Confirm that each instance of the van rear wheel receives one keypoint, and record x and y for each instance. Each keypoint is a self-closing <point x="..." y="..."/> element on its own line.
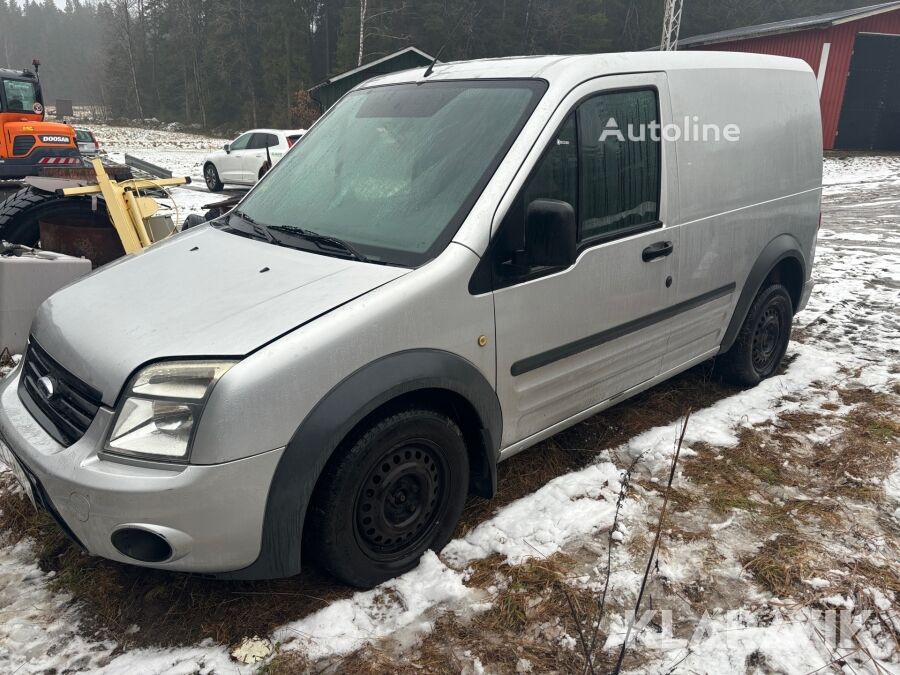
<point x="396" y="492"/>
<point x="763" y="339"/>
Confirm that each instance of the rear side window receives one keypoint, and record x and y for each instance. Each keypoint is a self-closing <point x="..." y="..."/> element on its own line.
<point x="619" y="160"/>
<point x="260" y="141"/>
<point x="83" y="136"/>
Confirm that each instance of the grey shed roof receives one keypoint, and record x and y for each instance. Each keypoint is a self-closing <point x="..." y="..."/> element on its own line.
<point x="370" y="64"/>
<point x="790" y="25"/>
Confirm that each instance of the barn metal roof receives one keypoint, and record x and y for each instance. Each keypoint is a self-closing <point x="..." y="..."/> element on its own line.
<point x="790" y="25"/>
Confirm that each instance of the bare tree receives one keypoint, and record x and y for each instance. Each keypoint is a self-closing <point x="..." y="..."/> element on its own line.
<point x="363" y="4"/>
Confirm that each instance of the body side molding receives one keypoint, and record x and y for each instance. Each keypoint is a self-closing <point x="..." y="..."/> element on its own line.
<point x="530" y="363"/>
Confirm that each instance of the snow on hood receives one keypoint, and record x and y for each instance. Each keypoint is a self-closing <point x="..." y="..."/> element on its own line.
<point x="205" y="293"/>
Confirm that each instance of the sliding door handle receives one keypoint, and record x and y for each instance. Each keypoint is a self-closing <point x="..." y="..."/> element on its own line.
<point x="658" y="250"/>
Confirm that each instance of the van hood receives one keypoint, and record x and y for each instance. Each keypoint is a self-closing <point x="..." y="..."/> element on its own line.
<point x="205" y="293"/>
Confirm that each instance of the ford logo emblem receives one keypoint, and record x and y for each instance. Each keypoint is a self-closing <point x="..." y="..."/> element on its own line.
<point x="47" y="386"/>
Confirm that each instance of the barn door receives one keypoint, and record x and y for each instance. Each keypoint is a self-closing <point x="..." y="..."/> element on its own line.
<point x="870" y="117"/>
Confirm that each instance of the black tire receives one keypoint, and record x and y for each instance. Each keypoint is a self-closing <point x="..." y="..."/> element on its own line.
<point x="763" y="339"/>
<point x="21" y="213"/>
<point x="370" y="519"/>
<point x="211" y="176"/>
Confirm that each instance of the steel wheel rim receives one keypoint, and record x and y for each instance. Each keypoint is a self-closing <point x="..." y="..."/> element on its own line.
<point x="401" y="500"/>
<point x="766" y="340"/>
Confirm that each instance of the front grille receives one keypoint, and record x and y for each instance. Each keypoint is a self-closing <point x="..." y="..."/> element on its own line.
<point x="22" y="145"/>
<point x="61" y="403"/>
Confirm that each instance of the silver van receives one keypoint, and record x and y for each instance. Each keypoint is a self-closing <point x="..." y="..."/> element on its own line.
<point x="448" y="268"/>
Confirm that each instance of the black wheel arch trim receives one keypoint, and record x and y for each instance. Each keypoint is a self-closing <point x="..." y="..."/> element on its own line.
<point x="781" y="247"/>
<point x="335" y="416"/>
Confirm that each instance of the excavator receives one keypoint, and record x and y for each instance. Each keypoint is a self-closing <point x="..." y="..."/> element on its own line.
<point x="97" y="210"/>
<point x="28" y="144"/>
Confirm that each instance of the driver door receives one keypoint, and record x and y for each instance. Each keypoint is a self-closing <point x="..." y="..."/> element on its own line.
<point x="231" y="170"/>
<point x="570" y="339"/>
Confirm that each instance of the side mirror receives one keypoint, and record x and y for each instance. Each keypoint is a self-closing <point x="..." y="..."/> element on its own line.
<point x="550" y="233"/>
<point x="227" y="148"/>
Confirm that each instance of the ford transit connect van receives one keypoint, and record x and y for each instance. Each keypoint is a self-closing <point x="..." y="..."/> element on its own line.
<point x="447" y="269"/>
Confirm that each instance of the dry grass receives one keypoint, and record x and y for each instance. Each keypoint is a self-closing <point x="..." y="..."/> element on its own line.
<point x="734" y="478"/>
<point x="781" y="563"/>
<point x="865" y="451"/>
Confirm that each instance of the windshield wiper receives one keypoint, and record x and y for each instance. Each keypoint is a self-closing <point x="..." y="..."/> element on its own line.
<point x="325" y="239"/>
<point x="258" y="228"/>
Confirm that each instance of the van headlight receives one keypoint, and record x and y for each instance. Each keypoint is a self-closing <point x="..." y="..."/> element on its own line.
<point x="158" y="416"/>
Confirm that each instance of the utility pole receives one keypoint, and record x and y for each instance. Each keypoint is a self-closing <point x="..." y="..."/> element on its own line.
<point x="671" y="25"/>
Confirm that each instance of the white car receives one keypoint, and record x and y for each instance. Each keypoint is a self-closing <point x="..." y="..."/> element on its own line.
<point x="248" y="157"/>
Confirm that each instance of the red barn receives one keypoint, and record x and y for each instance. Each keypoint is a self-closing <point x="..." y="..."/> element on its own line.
<point x="856" y="57"/>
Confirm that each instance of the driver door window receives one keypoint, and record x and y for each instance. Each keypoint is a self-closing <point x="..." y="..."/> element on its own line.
<point x="241" y="142"/>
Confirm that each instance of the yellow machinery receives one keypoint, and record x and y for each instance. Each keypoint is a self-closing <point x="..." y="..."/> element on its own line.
<point x="129" y="211"/>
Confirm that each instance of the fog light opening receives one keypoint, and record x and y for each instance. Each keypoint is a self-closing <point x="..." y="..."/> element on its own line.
<point x="141" y="545"/>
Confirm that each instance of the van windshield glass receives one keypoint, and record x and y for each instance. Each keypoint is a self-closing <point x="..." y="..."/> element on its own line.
<point x="394" y="170"/>
<point x="21" y="95"/>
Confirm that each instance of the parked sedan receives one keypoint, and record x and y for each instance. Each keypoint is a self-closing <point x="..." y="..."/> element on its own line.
<point x="248" y="157"/>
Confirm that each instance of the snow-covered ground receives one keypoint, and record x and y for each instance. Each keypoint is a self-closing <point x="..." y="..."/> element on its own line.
<point x="181" y="153"/>
<point x="848" y="338"/>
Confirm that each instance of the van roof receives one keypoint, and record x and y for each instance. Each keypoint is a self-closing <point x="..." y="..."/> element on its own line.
<point x="576" y="68"/>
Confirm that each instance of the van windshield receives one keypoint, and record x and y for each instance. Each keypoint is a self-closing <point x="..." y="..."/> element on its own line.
<point x="394" y="170"/>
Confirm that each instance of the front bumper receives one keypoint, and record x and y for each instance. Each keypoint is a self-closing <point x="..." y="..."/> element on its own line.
<point x="211" y="516"/>
<point x="30" y="165"/>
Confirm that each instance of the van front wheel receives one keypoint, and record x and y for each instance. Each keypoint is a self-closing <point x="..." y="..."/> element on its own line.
<point x="763" y="339"/>
<point x="396" y="492"/>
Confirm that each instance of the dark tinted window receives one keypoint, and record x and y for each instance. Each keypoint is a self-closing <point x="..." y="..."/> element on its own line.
<point x="612" y="184"/>
<point x="556" y="176"/>
<point x="260" y="141"/>
<point x="619" y="162"/>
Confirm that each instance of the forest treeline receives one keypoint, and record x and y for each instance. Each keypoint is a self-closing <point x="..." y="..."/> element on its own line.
<point x="240" y="63"/>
